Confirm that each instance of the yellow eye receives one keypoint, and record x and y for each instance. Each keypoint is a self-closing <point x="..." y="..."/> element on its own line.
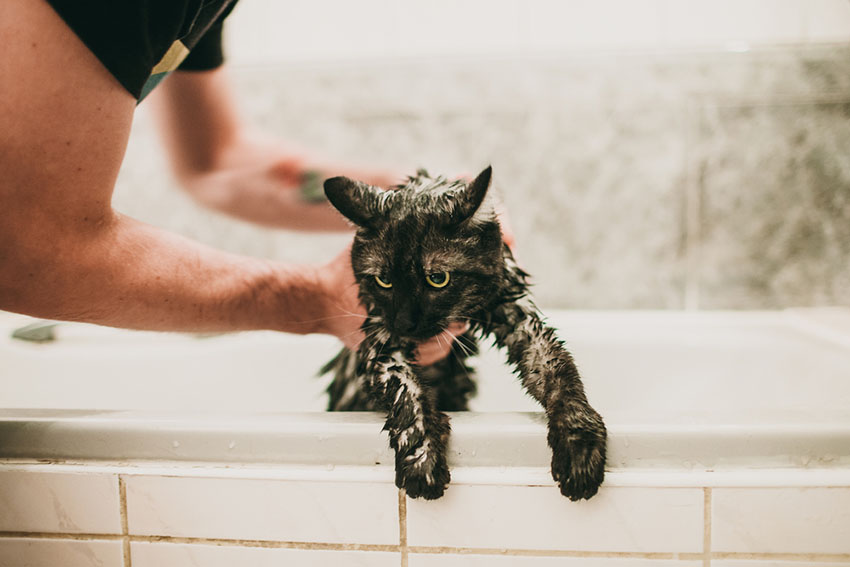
<point x="440" y="279"/>
<point x="382" y="283"/>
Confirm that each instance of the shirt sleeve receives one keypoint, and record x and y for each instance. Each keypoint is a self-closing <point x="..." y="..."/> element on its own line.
<point x="208" y="53"/>
<point x="128" y="37"/>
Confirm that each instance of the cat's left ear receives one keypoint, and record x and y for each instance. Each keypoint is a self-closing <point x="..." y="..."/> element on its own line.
<point x="471" y="198"/>
<point x="357" y="201"/>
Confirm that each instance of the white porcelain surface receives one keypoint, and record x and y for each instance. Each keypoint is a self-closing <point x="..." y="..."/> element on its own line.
<point x="616" y="519"/>
<point x="781" y="520"/>
<point x="21" y="552"/>
<point x="448" y="560"/>
<point x="186" y="555"/>
<point x="67" y="503"/>
<point x="679" y="366"/>
<point x="358" y="512"/>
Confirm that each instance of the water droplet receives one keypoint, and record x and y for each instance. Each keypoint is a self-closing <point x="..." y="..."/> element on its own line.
<point x="175" y="444"/>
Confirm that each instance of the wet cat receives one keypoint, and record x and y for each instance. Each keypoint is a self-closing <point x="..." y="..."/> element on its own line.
<point x="425" y="255"/>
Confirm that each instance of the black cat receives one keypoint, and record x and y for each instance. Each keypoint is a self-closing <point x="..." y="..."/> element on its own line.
<point x="425" y="255"/>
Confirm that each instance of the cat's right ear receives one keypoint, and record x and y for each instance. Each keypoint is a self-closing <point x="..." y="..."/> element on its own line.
<point x="358" y="202"/>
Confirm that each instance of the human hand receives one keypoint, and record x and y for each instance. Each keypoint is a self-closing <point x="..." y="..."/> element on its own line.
<point x="345" y="314"/>
<point x="305" y="173"/>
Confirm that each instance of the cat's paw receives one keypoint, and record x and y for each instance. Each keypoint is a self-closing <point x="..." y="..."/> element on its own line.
<point x="423" y="474"/>
<point x="577" y="440"/>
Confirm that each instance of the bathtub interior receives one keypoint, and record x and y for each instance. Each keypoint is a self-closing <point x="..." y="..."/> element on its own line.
<point x="638" y="367"/>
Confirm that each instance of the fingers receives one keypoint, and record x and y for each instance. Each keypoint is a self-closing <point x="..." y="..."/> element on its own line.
<point x="437" y="348"/>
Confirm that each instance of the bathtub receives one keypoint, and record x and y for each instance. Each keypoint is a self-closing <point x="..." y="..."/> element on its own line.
<point x="729" y="446"/>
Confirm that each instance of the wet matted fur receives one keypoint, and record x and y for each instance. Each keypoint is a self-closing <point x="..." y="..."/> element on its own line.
<point x="425" y="255"/>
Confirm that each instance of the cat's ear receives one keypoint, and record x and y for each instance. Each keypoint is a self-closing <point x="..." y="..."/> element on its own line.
<point x="471" y="198"/>
<point x="358" y="202"/>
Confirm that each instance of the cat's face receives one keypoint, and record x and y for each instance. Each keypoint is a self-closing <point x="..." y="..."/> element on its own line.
<point x="425" y="255"/>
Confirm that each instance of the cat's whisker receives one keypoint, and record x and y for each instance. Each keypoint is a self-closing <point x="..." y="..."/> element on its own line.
<point x="332" y="317"/>
<point x="361" y="315"/>
<point x="459" y="340"/>
<point x="464" y="348"/>
<point x="372" y="332"/>
<point x="453" y="340"/>
<point x="369" y="333"/>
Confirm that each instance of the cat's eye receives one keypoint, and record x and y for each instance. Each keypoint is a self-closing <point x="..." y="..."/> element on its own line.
<point x="439" y="279"/>
<point x="382" y="283"/>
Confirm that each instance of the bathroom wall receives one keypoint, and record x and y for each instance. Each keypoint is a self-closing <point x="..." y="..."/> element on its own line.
<point x="675" y="155"/>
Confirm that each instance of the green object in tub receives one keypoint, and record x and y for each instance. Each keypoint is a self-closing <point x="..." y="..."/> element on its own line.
<point x="38" y="332"/>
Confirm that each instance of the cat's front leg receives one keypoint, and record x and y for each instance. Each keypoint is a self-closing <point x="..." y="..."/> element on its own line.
<point x="418" y="432"/>
<point x="577" y="434"/>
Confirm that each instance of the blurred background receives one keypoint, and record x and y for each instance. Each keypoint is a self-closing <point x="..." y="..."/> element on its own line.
<point x="653" y="154"/>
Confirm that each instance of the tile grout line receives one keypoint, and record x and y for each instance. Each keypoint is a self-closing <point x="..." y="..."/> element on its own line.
<point x="125" y="531"/>
<point x="220" y="542"/>
<point x="402" y="525"/>
<point x="662" y="555"/>
<point x="274" y="544"/>
<point x="706" y="537"/>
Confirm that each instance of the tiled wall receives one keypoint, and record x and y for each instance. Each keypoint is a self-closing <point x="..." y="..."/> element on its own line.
<point x="127" y="517"/>
<point x="635" y="180"/>
<point x="272" y="31"/>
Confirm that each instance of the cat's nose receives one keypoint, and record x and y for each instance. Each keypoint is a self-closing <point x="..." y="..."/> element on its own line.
<point x="404" y="323"/>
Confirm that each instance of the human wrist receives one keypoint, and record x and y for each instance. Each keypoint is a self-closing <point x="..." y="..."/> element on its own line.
<point x="292" y="299"/>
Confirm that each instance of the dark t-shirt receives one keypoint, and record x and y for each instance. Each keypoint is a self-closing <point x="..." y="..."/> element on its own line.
<point x="141" y="41"/>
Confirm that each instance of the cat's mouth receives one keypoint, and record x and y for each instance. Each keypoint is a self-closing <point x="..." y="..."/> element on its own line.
<point x="418" y="336"/>
<point x="446" y="331"/>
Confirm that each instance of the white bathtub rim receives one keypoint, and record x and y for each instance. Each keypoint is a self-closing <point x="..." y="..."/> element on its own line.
<point x="334" y="439"/>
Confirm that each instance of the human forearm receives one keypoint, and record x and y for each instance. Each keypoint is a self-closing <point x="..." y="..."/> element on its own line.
<point x="265" y="194"/>
<point x="227" y="165"/>
<point x="124" y="273"/>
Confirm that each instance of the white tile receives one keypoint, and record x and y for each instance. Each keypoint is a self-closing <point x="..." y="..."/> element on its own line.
<point x="518" y="517"/>
<point x="24" y="552"/>
<point x="195" y="555"/>
<point x="757" y="21"/>
<point x="333" y="512"/>
<point x="828" y="20"/>
<point x="448" y="560"/>
<point x="59" y="502"/>
<point x="781" y="520"/>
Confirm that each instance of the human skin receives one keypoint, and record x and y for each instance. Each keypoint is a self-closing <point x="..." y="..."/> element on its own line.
<point x="226" y="165"/>
<point x="65" y="254"/>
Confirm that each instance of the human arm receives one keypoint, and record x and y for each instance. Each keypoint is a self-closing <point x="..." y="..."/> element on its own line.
<point x="64" y="253"/>
<point x="226" y="165"/>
